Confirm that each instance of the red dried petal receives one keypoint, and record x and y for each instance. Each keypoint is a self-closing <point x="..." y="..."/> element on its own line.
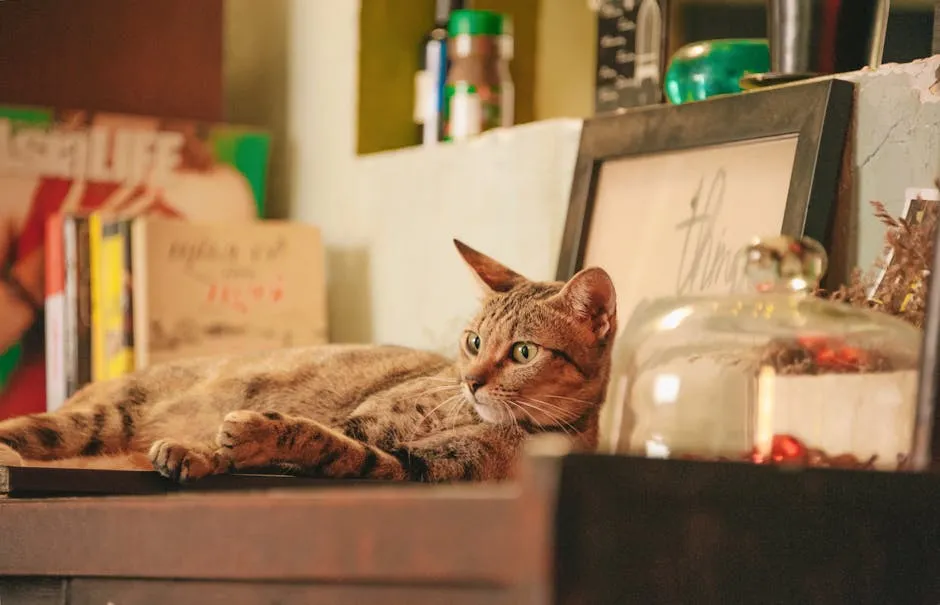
<point x="787" y="448"/>
<point x="827" y="358"/>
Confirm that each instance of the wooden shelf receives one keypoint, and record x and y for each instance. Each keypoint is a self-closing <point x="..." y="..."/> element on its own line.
<point x="573" y="529"/>
<point x="277" y="539"/>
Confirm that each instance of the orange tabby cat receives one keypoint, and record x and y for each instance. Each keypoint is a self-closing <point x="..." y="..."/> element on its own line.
<point x="536" y="358"/>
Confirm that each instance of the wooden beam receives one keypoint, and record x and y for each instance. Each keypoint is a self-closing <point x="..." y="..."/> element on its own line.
<point x="132" y="56"/>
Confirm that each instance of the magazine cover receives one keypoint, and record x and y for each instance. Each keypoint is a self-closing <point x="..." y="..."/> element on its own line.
<point x="81" y="162"/>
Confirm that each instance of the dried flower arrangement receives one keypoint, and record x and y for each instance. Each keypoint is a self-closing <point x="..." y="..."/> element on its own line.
<point x="900" y="289"/>
<point x="896" y="286"/>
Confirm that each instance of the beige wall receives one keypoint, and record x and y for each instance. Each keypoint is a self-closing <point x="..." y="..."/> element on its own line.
<point x="294" y="65"/>
<point x="255" y="79"/>
<point x="565" y="55"/>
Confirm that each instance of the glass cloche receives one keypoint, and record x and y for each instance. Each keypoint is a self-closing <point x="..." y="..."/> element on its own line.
<point x="774" y="376"/>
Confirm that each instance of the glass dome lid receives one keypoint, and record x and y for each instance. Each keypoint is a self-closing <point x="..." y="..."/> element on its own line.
<point x="738" y="377"/>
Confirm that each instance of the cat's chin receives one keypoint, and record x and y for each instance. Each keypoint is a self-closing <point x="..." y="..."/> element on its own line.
<point x="491" y="414"/>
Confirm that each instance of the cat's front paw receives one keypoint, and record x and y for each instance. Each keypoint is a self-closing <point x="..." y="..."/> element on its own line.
<point x="249" y="438"/>
<point x="179" y="462"/>
<point x="9" y="456"/>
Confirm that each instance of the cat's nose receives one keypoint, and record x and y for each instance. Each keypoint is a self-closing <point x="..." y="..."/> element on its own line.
<point x="473" y="382"/>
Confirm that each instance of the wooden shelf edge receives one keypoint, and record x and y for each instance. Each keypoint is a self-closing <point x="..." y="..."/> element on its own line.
<point x="478" y="535"/>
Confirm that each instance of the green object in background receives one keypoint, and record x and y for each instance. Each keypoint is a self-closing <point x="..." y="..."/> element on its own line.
<point x="713" y="67"/>
<point x="8" y="362"/>
<point x="475" y="23"/>
<point x="37" y="116"/>
<point x="247" y="151"/>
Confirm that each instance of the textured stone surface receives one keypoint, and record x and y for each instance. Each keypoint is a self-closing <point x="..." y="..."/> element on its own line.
<point x="896" y="142"/>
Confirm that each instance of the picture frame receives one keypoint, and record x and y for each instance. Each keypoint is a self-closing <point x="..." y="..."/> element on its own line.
<point x="639" y="188"/>
<point x="925" y="450"/>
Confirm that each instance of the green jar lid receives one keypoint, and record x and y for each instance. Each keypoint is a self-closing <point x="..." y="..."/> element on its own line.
<point x="475" y="23"/>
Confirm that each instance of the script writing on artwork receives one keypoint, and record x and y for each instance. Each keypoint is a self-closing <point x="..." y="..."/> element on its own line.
<point x="708" y="261"/>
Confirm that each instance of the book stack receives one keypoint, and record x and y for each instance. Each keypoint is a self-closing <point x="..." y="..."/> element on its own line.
<point x="141" y="240"/>
<point x="124" y="293"/>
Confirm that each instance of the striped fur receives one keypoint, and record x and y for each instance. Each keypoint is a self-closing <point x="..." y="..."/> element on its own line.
<point x="536" y="358"/>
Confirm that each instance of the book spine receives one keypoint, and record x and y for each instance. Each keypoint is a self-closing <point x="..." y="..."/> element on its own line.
<point x="83" y="306"/>
<point x="70" y="303"/>
<point x="139" y="293"/>
<point x="56" y="389"/>
<point x="96" y="288"/>
<point x="110" y="359"/>
<point x="127" y="299"/>
<point x="116" y="357"/>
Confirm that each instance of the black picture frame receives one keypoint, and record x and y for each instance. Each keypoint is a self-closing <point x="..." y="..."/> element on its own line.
<point x="925" y="450"/>
<point x="819" y="112"/>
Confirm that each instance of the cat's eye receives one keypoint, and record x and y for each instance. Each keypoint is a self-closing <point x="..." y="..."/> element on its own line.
<point x="523" y="352"/>
<point x="473" y="343"/>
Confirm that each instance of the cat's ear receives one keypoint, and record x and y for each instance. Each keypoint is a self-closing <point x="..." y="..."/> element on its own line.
<point x="590" y="297"/>
<point x="493" y="275"/>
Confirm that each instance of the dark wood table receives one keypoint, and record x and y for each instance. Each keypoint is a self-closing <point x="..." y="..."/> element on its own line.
<point x="669" y="531"/>
<point x="574" y="530"/>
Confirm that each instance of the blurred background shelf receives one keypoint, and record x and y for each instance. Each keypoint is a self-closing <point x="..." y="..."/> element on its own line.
<point x="335" y="90"/>
<point x="553" y="67"/>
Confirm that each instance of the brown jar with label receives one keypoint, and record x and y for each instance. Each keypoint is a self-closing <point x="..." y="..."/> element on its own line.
<point x="478" y="83"/>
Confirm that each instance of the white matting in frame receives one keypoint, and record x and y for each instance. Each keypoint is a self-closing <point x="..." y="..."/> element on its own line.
<point x="674" y="223"/>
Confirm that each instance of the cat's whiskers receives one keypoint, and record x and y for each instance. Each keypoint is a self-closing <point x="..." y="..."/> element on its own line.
<point x="545" y="407"/>
<point x="437" y="389"/>
<point x="561" y="410"/>
<point x="430" y="391"/>
<point x="451" y="380"/>
<point x="515" y="420"/>
<point x="428" y="415"/>
<point x="454" y="416"/>
<point x="522" y="409"/>
<point x="508" y="410"/>
<point x="574" y="399"/>
<point x="555" y="419"/>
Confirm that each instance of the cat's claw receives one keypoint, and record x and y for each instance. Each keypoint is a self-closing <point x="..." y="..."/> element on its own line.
<point x="9" y="456"/>
<point x="181" y="463"/>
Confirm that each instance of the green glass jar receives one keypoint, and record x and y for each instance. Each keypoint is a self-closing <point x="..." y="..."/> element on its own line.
<point x="713" y="67"/>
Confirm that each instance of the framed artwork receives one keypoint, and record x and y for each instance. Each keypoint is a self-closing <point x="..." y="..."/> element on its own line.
<point x="664" y="198"/>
